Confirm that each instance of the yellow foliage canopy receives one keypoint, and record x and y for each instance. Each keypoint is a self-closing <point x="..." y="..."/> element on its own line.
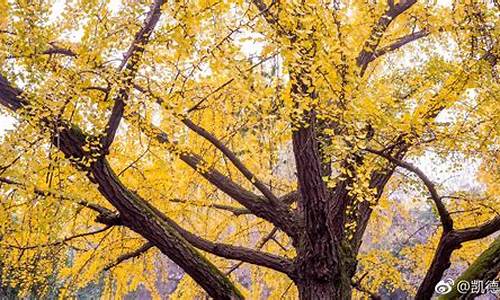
<point x="213" y="99"/>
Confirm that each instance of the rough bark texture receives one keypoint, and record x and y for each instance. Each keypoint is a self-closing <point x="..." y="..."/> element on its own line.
<point x="138" y="215"/>
<point x="449" y="242"/>
<point x="441" y="261"/>
<point x="314" y="290"/>
<point x="324" y="262"/>
<point x="485" y="267"/>
<point x="323" y="268"/>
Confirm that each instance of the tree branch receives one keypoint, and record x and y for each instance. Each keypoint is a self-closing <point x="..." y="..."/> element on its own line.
<point x="129" y="255"/>
<point x="53" y="50"/>
<point x="235" y="160"/>
<point x="279" y="215"/>
<point x="105" y="216"/>
<point x="251" y="256"/>
<point x="10" y="97"/>
<point x="485" y="267"/>
<point x="268" y="16"/>
<point x="479" y="232"/>
<point x="378" y="30"/>
<point x="270" y="209"/>
<point x="237" y="211"/>
<point x="287" y="199"/>
<point x="372" y="295"/>
<point x="449" y="242"/>
<point x="58" y="50"/>
<point x="398" y="44"/>
<point x="259" y="246"/>
<point x="130" y="64"/>
<point x="63" y="241"/>
<point x="135" y="212"/>
<point x="446" y="220"/>
<point x="378" y="182"/>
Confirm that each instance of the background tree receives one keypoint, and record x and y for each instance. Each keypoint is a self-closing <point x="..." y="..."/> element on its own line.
<point x="251" y="142"/>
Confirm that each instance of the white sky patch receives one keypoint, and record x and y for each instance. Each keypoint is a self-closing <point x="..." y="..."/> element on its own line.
<point x="75" y="36"/>
<point x="446" y="174"/>
<point x="451" y="115"/>
<point x="249" y="44"/>
<point x="57" y="9"/>
<point x="445" y="3"/>
<point x="6" y="123"/>
<point x="451" y="175"/>
<point x="115" y="5"/>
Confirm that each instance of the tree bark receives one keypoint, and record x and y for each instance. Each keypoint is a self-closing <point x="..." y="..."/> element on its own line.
<point x="135" y="212"/>
<point x="139" y="216"/>
<point x="324" y="270"/>
<point x="447" y="244"/>
<point x="328" y="290"/>
<point x="485" y="267"/>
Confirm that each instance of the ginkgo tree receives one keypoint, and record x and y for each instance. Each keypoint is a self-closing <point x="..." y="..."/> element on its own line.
<point x="256" y="144"/>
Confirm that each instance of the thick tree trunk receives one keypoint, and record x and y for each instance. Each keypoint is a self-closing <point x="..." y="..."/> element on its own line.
<point x="327" y="290"/>
<point x="324" y="269"/>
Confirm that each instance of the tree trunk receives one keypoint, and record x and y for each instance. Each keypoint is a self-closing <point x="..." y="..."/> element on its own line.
<point x="324" y="269"/>
<point x="330" y="290"/>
